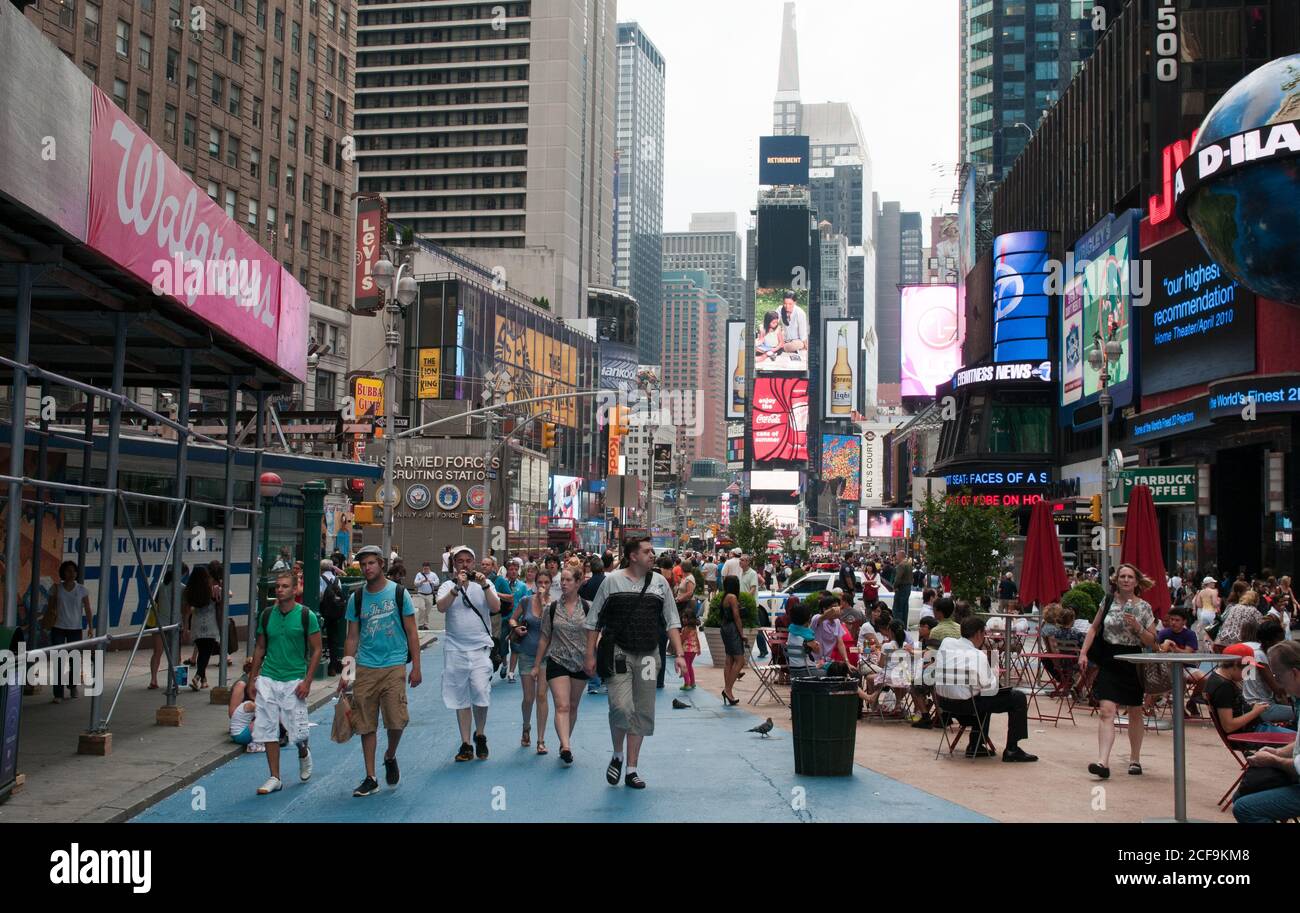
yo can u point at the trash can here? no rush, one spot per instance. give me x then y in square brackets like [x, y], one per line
[825, 725]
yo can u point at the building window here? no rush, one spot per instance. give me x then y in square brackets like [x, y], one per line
[146, 50]
[329, 60]
[1047, 70]
[255, 162]
[279, 25]
[309, 141]
[169, 122]
[290, 182]
[257, 112]
[330, 8]
[232, 152]
[177, 13]
[123, 39]
[291, 134]
[270, 223]
[304, 239]
[325, 151]
[90, 26]
[142, 108]
[311, 48]
[293, 83]
[306, 189]
[237, 47]
[190, 129]
[261, 14]
[191, 76]
[68, 13]
[325, 385]
[232, 201]
[288, 229]
[277, 74]
[173, 64]
[119, 93]
[295, 37]
[218, 90]
[275, 123]
[219, 37]
[252, 217]
[238, 6]
[214, 143]
[311, 96]
[236, 99]
[329, 105]
[214, 191]
[338, 201]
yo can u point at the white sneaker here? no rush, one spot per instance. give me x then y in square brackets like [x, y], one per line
[273, 785]
[510, 677]
[304, 767]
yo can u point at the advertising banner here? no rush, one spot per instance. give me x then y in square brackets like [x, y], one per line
[615, 446]
[1021, 305]
[780, 419]
[566, 498]
[841, 355]
[735, 445]
[371, 228]
[663, 465]
[430, 384]
[735, 377]
[1072, 341]
[885, 524]
[1168, 484]
[618, 364]
[152, 220]
[842, 460]
[783, 160]
[930, 351]
[873, 465]
[781, 332]
[538, 365]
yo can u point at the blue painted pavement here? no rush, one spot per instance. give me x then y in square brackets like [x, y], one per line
[701, 765]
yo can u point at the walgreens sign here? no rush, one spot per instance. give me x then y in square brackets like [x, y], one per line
[146, 215]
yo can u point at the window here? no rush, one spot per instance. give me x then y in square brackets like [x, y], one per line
[309, 141]
[273, 173]
[293, 83]
[338, 248]
[219, 37]
[295, 37]
[169, 122]
[329, 60]
[252, 216]
[142, 108]
[119, 93]
[232, 152]
[279, 25]
[291, 135]
[311, 96]
[338, 201]
[237, 47]
[218, 90]
[270, 223]
[288, 228]
[277, 74]
[1046, 10]
[304, 240]
[238, 6]
[343, 22]
[191, 76]
[324, 195]
[214, 143]
[290, 182]
[329, 13]
[257, 112]
[324, 242]
[311, 48]
[306, 189]
[173, 64]
[146, 50]
[177, 14]
[259, 60]
[214, 191]
[123, 39]
[329, 105]
[326, 382]
[90, 26]
[1047, 69]
[68, 13]
[254, 162]
[232, 200]
[91, 72]
[261, 14]
[190, 129]
[236, 100]
[325, 151]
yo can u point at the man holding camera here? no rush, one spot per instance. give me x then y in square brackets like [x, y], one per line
[469, 600]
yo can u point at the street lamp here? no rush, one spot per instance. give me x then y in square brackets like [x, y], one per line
[1100, 358]
[647, 382]
[270, 484]
[399, 292]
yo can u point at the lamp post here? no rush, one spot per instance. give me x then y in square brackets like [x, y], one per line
[399, 294]
[1100, 358]
[647, 382]
[270, 484]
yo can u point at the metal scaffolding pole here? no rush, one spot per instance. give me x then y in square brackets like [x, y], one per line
[87, 457]
[17, 443]
[228, 529]
[111, 502]
[255, 528]
[182, 457]
[38, 524]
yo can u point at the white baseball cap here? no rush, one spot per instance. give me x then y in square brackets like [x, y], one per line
[463, 548]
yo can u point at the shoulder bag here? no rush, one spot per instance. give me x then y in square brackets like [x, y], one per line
[495, 653]
[605, 649]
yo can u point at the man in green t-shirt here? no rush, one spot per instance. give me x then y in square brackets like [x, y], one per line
[284, 664]
[947, 627]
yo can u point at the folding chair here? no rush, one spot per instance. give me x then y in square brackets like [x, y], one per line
[767, 675]
[967, 716]
[1238, 744]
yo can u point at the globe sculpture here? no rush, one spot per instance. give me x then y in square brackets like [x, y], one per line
[1247, 219]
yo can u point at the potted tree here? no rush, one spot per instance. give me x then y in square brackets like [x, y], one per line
[713, 624]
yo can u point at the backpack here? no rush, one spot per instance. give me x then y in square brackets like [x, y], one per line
[401, 601]
[306, 628]
[331, 601]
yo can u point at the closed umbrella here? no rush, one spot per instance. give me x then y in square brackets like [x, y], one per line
[1042, 576]
[1142, 547]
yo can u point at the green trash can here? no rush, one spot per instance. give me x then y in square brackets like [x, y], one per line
[825, 725]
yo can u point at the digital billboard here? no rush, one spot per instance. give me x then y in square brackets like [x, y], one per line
[784, 246]
[884, 524]
[841, 355]
[1021, 304]
[566, 498]
[735, 445]
[1200, 324]
[784, 481]
[783, 160]
[780, 419]
[785, 517]
[930, 351]
[842, 459]
[781, 332]
[735, 377]
[1072, 341]
[537, 365]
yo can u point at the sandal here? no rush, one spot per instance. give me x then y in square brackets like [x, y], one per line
[1135, 769]
[541, 746]
[526, 739]
[153, 686]
[1099, 770]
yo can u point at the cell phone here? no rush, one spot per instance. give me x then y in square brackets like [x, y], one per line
[620, 665]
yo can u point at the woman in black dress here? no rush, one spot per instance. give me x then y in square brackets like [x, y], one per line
[733, 641]
[1124, 624]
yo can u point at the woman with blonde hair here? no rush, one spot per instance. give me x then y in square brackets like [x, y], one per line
[1124, 624]
[1240, 610]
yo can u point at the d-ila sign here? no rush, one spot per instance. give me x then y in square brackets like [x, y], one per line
[1274, 141]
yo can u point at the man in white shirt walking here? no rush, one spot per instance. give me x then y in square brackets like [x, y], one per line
[731, 567]
[962, 673]
[426, 582]
[469, 600]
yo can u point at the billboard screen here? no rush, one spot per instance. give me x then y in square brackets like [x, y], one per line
[783, 516]
[735, 445]
[783, 160]
[372, 218]
[1021, 305]
[930, 351]
[842, 459]
[780, 419]
[618, 364]
[735, 377]
[1072, 341]
[884, 524]
[566, 498]
[776, 480]
[784, 235]
[1200, 325]
[781, 334]
[873, 464]
[841, 343]
[663, 465]
[538, 365]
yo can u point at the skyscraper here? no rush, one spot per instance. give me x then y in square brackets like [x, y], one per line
[712, 244]
[898, 242]
[491, 130]
[695, 320]
[638, 228]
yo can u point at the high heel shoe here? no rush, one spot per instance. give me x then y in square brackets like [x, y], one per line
[730, 701]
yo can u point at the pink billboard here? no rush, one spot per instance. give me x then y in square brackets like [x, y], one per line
[931, 352]
[151, 219]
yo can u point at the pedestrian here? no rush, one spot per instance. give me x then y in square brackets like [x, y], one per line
[903, 572]
[512, 592]
[690, 643]
[870, 584]
[733, 640]
[426, 584]
[284, 664]
[1007, 591]
[284, 562]
[343, 539]
[68, 614]
[382, 639]
[526, 633]
[446, 560]
[164, 601]
[217, 571]
[632, 602]
[560, 653]
[332, 606]
[1281, 802]
[469, 600]
[201, 611]
[590, 587]
[1124, 624]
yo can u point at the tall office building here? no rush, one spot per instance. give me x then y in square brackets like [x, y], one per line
[898, 244]
[712, 244]
[695, 322]
[639, 201]
[1016, 60]
[254, 107]
[835, 272]
[490, 129]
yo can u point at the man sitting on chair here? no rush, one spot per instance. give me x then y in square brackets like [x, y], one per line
[962, 673]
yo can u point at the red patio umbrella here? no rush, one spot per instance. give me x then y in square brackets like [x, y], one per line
[1042, 576]
[1142, 547]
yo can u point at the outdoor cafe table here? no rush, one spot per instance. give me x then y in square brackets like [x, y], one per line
[1005, 671]
[1179, 661]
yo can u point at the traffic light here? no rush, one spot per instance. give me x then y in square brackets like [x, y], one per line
[548, 435]
[1095, 515]
[364, 514]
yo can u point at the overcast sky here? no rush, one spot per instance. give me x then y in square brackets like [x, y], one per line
[895, 62]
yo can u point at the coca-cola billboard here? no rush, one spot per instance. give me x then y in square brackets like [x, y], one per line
[153, 221]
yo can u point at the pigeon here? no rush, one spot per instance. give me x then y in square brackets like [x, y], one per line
[763, 728]
[679, 705]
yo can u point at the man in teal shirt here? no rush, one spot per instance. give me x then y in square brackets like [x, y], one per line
[288, 651]
[513, 592]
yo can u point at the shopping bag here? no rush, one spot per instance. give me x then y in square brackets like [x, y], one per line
[341, 731]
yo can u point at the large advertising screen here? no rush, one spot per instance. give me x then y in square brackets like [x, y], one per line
[1072, 341]
[566, 498]
[884, 524]
[784, 236]
[781, 333]
[1020, 301]
[537, 365]
[841, 342]
[842, 460]
[784, 481]
[930, 351]
[783, 160]
[735, 378]
[780, 419]
[785, 517]
[1200, 324]
[735, 445]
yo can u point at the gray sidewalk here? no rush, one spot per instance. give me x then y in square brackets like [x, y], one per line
[147, 762]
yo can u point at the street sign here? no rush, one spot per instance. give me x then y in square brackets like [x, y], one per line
[1169, 484]
[402, 422]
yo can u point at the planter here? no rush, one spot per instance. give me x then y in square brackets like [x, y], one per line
[713, 637]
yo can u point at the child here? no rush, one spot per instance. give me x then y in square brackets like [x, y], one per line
[802, 646]
[770, 341]
[1223, 692]
[690, 645]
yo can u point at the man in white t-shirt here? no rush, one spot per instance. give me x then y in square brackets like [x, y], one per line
[731, 567]
[446, 561]
[71, 606]
[468, 599]
[426, 582]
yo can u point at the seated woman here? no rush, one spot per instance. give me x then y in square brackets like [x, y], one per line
[801, 649]
[242, 710]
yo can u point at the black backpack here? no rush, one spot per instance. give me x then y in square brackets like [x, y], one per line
[331, 601]
[306, 628]
[401, 601]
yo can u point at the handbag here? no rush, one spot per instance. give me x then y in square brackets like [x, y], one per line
[605, 649]
[495, 653]
[341, 731]
[1260, 779]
